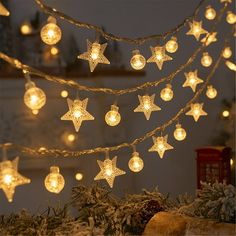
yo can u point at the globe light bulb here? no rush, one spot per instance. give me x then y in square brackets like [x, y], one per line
[79, 176]
[230, 65]
[172, 45]
[137, 61]
[135, 163]
[54, 51]
[210, 13]
[231, 17]
[54, 182]
[71, 137]
[34, 97]
[211, 92]
[206, 59]
[113, 116]
[51, 33]
[64, 94]
[167, 93]
[227, 52]
[26, 28]
[225, 113]
[179, 133]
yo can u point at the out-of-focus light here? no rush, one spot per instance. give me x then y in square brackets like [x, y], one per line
[54, 51]
[35, 112]
[26, 28]
[225, 113]
[64, 94]
[79, 176]
[71, 137]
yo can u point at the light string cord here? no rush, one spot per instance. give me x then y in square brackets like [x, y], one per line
[108, 36]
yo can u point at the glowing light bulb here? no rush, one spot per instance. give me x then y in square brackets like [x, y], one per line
[35, 112]
[34, 97]
[95, 51]
[206, 59]
[167, 93]
[225, 114]
[211, 92]
[54, 51]
[64, 94]
[137, 61]
[71, 138]
[231, 17]
[26, 28]
[135, 163]
[231, 162]
[172, 45]
[227, 53]
[146, 103]
[180, 133]
[113, 116]
[231, 65]
[210, 13]
[79, 176]
[51, 33]
[54, 182]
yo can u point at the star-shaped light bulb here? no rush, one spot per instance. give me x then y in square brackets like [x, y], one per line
[77, 112]
[109, 171]
[147, 105]
[3, 10]
[136, 163]
[160, 145]
[211, 92]
[226, 1]
[113, 116]
[196, 29]
[192, 80]
[159, 56]
[231, 65]
[94, 54]
[209, 38]
[196, 111]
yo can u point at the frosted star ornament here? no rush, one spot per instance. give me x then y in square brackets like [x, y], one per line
[192, 80]
[160, 145]
[147, 105]
[109, 171]
[196, 29]
[94, 54]
[159, 56]
[3, 10]
[210, 38]
[77, 112]
[196, 111]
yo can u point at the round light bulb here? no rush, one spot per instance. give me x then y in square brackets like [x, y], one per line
[35, 112]
[79, 176]
[211, 92]
[51, 32]
[167, 93]
[95, 51]
[71, 138]
[113, 116]
[231, 17]
[179, 133]
[34, 97]
[64, 94]
[135, 163]
[225, 114]
[26, 28]
[54, 182]
[206, 59]
[54, 51]
[172, 45]
[227, 52]
[210, 13]
[137, 61]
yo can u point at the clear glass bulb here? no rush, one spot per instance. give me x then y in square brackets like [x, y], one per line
[231, 17]
[113, 116]
[137, 61]
[136, 163]
[211, 92]
[54, 182]
[227, 53]
[179, 133]
[206, 59]
[210, 13]
[172, 45]
[34, 97]
[167, 93]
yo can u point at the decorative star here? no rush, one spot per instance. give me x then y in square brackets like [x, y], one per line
[196, 29]
[192, 80]
[210, 38]
[226, 1]
[109, 171]
[196, 111]
[160, 145]
[10, 178]
[3, 10]
[77, 112]
[147, 105]
[159, 56]
[94, 54]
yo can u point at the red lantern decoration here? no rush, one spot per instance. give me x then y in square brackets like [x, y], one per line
[213, 164]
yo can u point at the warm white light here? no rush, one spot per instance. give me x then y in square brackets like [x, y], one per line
[35, 112]
[227, 53]
[231, 65]
[172, 45]
[54, 51]
[211, 92]
[136, 163]
[179, 133]
[225, 113]
[64, 94]
[95, 52]
[231, 17]
[71, 137]
[137, 61]
[231, 162]
[206, 59]
[113, 116]
[79, 176]
[210, 13]
[167, 93]
[26, 28]
[7, 179]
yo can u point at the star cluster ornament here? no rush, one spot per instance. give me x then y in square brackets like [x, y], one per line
[196, 111]
[3, 10]
[192, 80]
[210, 38]
[147, 105]
[159, 56]
[160, 145]
[94, 54]
[196, 29]
[109, 171]
[77, 112]
[10, 178]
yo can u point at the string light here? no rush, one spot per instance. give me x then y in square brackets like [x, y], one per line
[210, 38]
[54, 181]
[71, 137]
[227, 52]
[3, 10]
[196, 29]
[231, 17]
[137, 61]
[113, 116]
[196, 111]
[206, 59]
[54, 51]
[79, 176]
[51, 32]
[26, 28]
[210, 13]
[35, 112]
[231, 162]
[172, 45]
[135, 163]
[225, 113]
[192, 80]
[211, 92]
[180, 133]
[64, 93]
[167, 93]
[230, 65]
